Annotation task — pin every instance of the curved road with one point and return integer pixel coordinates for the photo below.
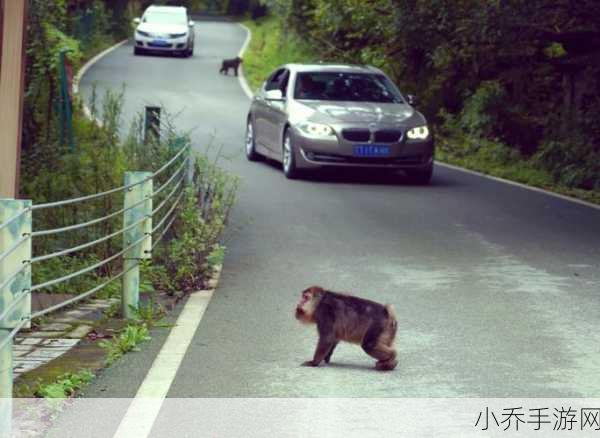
(497, 288)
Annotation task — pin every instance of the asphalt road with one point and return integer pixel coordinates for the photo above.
(497, 288)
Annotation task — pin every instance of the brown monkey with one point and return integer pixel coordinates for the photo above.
(231, 63)
(346, 318)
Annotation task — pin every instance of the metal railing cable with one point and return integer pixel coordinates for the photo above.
(163, 232)
(13, 332)
(80, 297)
(16, 300)
(88, 197)
(168, 213)
(9, 221)
(86, 224)
(166, 183)
(13, 247)
(88, 244)
(171, 161)
(14, 275)
(67, 277)
(168, 197)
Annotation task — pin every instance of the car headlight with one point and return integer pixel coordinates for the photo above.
(316, 129)
(142, 33)
(177, 35)
(418, 133)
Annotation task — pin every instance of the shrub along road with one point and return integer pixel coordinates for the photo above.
(495, 286)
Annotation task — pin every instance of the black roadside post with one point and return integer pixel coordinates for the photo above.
(152, 124)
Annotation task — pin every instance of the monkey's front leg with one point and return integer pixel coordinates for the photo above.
(328, 356)
(324, 346)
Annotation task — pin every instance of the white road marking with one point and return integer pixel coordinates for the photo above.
(83, 71)
(241, 77)
(521, 185)
(144, 408)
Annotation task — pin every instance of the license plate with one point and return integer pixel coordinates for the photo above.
(160, 43)
(371, 150)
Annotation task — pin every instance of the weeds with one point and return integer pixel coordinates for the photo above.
(65, 385)
(149, 313)
(127, 340)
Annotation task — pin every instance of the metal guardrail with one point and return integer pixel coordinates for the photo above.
(16, 237)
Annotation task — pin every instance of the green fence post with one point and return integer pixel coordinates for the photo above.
(142, 250)
(15, 283)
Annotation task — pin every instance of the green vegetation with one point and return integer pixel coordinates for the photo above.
(269, 48)
(188, 259)
(126, 341)
(65, 385)
(511, 88)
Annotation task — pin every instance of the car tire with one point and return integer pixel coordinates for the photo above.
(421, 176)
(250, 144)
(137, 51)
(190, 52)
(288, 157)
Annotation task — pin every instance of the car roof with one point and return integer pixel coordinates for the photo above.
(168, 9)
(331, 67)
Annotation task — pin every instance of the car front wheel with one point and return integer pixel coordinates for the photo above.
(289, 157)
(250, 143)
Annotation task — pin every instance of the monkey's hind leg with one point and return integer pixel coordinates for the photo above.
(377, 344)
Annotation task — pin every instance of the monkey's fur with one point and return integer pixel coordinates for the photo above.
(231, 63)
(342, 317)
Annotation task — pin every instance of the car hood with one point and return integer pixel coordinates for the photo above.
(359, 112)
(162, 29)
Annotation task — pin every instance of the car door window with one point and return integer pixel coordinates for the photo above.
(278, 81)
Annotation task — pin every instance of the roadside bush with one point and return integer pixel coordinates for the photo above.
(189, 257)
(573, 162)
(482, 112)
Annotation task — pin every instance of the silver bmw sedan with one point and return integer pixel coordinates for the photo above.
(315, 115)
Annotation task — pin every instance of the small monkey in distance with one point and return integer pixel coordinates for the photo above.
(230, 63)
(342, 317)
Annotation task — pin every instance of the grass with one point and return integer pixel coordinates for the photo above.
(270, 48)
(490, 160)
(65, 385)
(128, 340)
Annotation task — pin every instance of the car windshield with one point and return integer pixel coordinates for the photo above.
(353, 87)
(164, 18)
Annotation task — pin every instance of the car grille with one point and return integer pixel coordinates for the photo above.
(364, 135)
(356, 134)
(387, 136)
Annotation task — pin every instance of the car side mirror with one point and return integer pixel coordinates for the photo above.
(191, 23)
(412, 100)
(137, 20)
(276, 95)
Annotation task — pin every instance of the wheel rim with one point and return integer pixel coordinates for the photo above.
(287, 153)
(249, 139)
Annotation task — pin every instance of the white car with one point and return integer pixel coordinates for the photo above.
(164, 29)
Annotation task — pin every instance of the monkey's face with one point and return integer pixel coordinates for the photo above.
(305, 309)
